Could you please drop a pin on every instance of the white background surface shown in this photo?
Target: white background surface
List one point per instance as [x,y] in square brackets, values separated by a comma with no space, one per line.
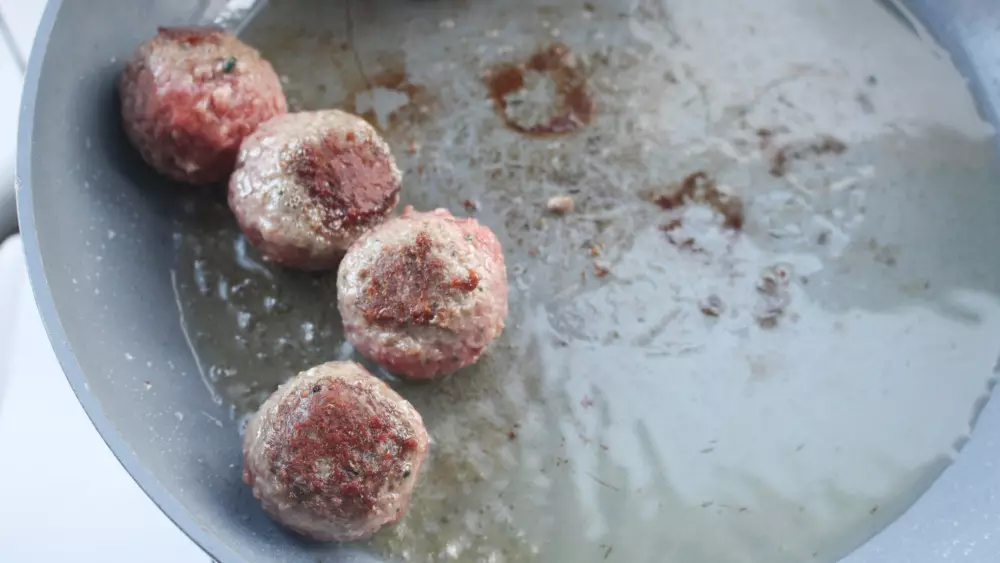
[63,495]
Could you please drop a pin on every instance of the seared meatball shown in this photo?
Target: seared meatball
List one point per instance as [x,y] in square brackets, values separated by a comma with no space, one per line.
[189,97]
[308,184]
[424,294]
[334,453]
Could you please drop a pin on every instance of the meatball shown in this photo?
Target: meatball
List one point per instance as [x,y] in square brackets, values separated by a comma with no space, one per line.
[424,294]
[334,453]
[189,97]
[308,184]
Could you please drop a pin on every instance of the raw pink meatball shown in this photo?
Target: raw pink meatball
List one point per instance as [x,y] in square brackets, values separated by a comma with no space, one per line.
[424,294]
[189,97]
[308,184]
[334,453]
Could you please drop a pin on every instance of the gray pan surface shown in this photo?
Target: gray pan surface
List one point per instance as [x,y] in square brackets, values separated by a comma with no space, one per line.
[616,420]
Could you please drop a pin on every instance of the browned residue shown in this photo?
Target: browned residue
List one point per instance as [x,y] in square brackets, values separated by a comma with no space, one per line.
[701,188]
[783,158]
[416,109]
[575,107]
[674,236]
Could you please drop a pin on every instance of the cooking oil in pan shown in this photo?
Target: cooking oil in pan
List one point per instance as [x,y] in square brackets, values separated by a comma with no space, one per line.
[761,334]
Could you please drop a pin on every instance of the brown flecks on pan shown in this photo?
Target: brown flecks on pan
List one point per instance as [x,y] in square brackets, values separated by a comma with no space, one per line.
[699,187]
[676,237]
[415,109]
[712,306]
[768,136]
[572,107]
[782,159]
[672,225]
[765,135]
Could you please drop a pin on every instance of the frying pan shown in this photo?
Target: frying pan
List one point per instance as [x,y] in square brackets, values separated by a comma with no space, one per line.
[625,415]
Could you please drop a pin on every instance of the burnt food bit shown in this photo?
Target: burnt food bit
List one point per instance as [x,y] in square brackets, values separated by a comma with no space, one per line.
[560,205]
[712,306]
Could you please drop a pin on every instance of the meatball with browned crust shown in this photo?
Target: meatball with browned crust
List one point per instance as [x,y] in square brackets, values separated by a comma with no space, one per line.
[424,294]
[334,453]
[191,95]
[308,184]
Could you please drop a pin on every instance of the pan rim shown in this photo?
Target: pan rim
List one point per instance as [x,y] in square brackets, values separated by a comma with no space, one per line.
[955,501]
[44,300]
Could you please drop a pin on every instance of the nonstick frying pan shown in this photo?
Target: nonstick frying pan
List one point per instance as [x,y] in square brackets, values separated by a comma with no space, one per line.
[776,379]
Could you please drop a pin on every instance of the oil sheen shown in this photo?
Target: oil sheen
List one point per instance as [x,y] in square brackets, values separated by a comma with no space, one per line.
[668,387]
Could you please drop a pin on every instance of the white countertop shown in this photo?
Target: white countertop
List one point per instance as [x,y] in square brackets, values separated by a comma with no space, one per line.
[19,18]
[66,498]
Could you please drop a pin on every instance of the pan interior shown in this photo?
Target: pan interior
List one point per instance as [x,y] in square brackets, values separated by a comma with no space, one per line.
[679,379]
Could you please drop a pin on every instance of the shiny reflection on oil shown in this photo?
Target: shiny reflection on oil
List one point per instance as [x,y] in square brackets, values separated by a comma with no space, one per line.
[667,388]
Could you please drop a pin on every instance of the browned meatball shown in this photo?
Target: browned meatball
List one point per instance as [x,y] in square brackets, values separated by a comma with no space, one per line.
[334,453]
[189,97]
[424,294]
[308,184]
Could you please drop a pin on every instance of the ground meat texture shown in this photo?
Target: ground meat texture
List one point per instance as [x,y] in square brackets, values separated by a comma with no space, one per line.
[334,453]
[424,294]
[308,184]
[189,97]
